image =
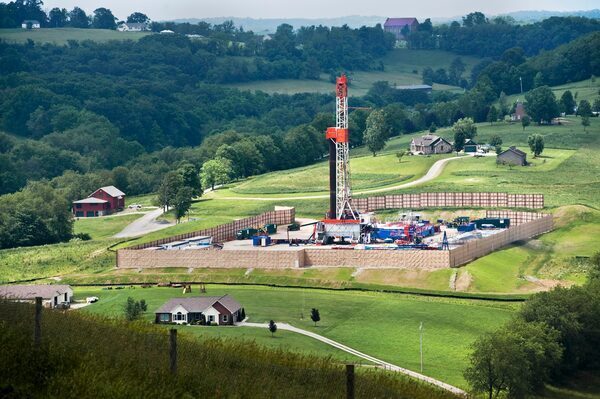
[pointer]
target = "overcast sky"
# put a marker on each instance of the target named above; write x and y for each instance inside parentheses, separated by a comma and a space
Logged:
(172, 9)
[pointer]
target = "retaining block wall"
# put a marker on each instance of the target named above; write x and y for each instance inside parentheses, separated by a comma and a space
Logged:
(227, 231)
(478, 248)
(452, 200)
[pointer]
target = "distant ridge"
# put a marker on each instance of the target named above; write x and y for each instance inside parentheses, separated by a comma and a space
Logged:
(269, 25)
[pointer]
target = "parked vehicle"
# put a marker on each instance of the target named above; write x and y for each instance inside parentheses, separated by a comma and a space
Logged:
(91, 299)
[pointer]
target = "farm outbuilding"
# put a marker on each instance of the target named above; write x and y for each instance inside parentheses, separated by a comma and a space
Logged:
(397, 25)
(101, 202)
(512, 156)
(471, 146)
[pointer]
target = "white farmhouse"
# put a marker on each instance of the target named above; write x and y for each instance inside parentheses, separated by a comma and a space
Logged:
(31, 24)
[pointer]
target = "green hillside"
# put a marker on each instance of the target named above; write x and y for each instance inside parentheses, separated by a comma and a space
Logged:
(63, 35)
(130, 360)
(450, 325)
(399, 68)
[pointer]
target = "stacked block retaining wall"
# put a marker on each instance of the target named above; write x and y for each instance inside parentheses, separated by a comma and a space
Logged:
(449, 200)
(303, 257)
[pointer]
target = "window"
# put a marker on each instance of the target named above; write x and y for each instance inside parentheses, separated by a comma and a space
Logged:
(179, 316)
(225, 318)
(78, 206)
(211, 319)
(66, 297)
(164, 317)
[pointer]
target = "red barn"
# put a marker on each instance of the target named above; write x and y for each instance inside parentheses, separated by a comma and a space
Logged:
(103, 201)
(396, 25)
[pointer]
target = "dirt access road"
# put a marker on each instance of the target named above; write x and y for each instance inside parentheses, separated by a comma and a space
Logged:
(144, 225)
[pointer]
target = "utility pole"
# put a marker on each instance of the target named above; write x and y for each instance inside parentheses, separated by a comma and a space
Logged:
(421, 343)
(521, 81)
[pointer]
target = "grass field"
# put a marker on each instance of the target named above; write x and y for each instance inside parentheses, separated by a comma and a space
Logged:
(63, 35)
(71, 257)
(368, 172)
(104, 227)
(584, 90)
(399, 67)
(382, 325)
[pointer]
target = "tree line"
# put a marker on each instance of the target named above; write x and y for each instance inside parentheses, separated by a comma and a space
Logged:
(480, 36)
(554, 335)
(12, 14)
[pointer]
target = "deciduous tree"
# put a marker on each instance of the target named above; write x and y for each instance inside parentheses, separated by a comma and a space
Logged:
(536, 144)
(216, 171)
(376, 132)
(138, 17)
(541, 105)
(104, 19)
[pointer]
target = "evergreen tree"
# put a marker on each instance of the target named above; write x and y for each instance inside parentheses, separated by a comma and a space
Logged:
(315, 316)
(492, 115)
(272, 327)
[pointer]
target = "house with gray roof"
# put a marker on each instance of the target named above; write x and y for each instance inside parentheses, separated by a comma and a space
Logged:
(512, 156)
(220, 310)
(52, 295)
(430, 144)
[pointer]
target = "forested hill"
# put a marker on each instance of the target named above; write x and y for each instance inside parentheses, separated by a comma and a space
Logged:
(483, 37)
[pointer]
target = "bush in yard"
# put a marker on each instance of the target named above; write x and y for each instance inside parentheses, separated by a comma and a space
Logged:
(272, 327)
(134, 309)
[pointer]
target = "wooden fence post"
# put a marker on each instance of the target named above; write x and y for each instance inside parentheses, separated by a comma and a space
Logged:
(349, 381)
(37, 328)
(173, 350)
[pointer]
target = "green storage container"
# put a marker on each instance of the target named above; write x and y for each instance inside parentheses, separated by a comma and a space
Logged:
(271, 228)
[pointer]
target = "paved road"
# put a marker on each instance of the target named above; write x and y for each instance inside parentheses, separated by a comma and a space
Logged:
(433, 172)
(144, 225)
(381, 363)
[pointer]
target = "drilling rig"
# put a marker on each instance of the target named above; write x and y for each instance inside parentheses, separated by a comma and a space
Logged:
(342, 222)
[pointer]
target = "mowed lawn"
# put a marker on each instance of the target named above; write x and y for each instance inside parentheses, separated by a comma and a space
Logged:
(367, 172)
(382, 325)
(401, 67)
(63, 35)
(105, 226)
